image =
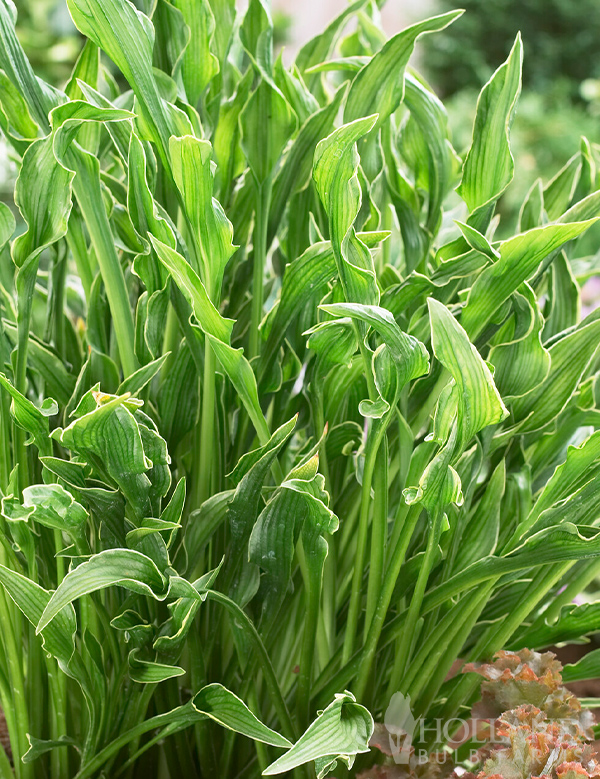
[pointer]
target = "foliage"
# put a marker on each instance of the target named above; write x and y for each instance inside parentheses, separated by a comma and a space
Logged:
(278, 436)
(547, 130)
(559, 37)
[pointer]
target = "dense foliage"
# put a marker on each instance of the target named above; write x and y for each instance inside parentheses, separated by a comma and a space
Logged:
(559, 37)
(280, 434)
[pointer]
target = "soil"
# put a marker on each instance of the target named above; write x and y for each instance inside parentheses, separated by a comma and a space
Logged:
(4, 733)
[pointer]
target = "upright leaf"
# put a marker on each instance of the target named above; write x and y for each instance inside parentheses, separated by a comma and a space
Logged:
(489, 165)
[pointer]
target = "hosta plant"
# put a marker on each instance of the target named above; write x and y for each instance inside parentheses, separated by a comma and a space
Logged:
(285, 427)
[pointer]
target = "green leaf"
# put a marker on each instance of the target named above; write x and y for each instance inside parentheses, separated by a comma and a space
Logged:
(520, 258)
(304, 278)
(569, 358)
(575, 469)
(231, 712)
(66, 122)
(193, 171)
(479, 403)
(31, 418)
(59, 383)
(267, 123)
(551, 545)
(250, 473)
(564, 303)
(298, 506)
(489, 166)
(439, 485)
(573, 623)
(335, 175)
(530, 215)
(7, 224)
(112, 567)
(477, 241)
(40, 97)
(521, 362)
(109, 438)
(174, 631)
(197, 63)
(59, 637)
(294, 173)
(149, 671)
(430, 115)
(15, 119)
(143, 376)
(256, 36)
(379, 86)
(334, 341)
(127, 36)
(560, 190)
(480, 534)
(318, 48)
(39, 747)
(409, 354)
(43, 194)
(54, 507)
(340, 732)
(586, 668)
(218, 330)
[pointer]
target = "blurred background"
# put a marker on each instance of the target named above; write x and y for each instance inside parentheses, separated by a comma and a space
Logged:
(560, 102)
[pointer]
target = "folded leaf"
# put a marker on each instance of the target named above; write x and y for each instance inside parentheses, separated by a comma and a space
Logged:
(340, 732)
(379, 86)
(489, 165)
(112, 567)
(479, 402)
(520, 258)
(228, 710)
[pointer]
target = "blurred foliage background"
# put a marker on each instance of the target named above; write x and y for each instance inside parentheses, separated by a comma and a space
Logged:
(560, 39)
(560, 101)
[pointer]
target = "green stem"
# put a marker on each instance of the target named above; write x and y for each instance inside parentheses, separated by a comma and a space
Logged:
(387, 592)
(13, 655)
(89, 196)
(57, 683)
(404, 646)
(25, 283)
(497, 636)
(313, 597)
(206, 444)
(585, 576)
(79, 250)
(378, 534)
(263, 203)
(160, 736)
(246, 624)
(373, 442)
(5, 437)
(160, 721)
(9, 715)
(204, 744)
(447, 645)
(6, 771)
